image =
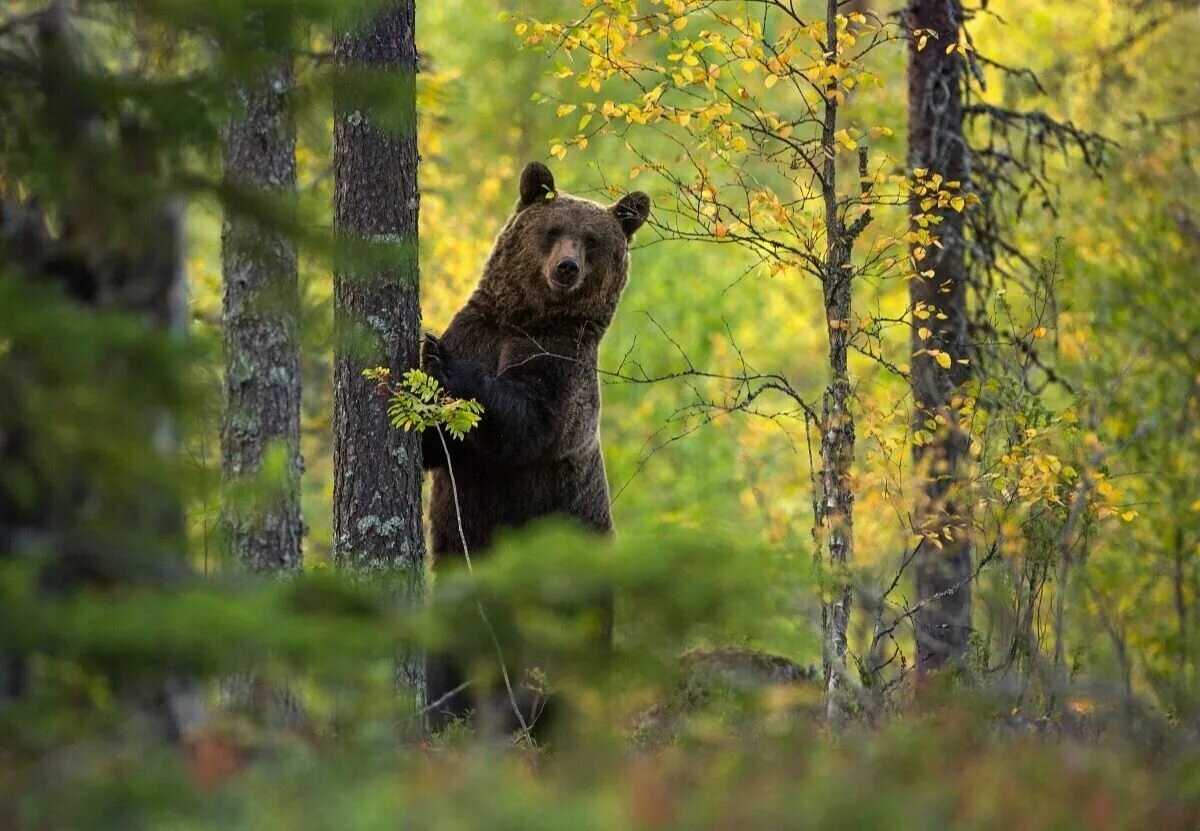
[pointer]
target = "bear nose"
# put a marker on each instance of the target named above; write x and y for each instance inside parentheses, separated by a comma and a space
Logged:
(567, 271)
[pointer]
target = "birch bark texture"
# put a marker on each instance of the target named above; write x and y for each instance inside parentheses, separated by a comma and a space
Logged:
(377, 469)
(936, 142)
(260, 428)
(836, 501)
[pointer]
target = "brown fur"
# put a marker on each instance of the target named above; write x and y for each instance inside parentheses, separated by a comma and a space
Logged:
(525, 346)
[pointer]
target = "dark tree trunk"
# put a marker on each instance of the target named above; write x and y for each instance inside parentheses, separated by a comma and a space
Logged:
(157, 288)
(261, 508)
(937, 143)
(377, 524)
(94, 524)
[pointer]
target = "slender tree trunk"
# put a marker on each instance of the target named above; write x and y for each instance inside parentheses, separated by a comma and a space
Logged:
(837, 420)
(937, 143)
(157, 288)
(378, 476)
(1183, 696)
(260, 431)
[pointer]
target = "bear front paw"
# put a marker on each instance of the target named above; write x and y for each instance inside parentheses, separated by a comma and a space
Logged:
(431, 355)
(439, 364)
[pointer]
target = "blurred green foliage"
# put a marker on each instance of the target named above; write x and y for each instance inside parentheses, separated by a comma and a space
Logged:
(713, 554)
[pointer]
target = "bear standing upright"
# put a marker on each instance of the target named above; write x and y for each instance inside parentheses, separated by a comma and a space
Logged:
(525, 346)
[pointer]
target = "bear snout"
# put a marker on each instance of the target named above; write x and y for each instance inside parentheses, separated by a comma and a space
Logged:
(566, 272)
(564, 263)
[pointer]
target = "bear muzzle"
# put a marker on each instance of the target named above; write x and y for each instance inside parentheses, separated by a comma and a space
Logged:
(566, 273)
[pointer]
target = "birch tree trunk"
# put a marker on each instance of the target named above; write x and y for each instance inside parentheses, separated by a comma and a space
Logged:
(260, 430)
(936, 143)
(377, 469)
(837, 421)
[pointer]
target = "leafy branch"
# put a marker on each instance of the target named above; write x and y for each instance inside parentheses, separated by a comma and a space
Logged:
(418, 402)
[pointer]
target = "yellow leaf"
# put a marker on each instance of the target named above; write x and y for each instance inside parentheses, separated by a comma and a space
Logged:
(958, 203)
(771, 81)
(943, 359)
(1129, 516)
(559, 151)
(923, 333)
(1039, 332)
(564, 109)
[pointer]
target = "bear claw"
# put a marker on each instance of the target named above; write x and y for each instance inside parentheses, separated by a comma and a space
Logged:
(431, 355)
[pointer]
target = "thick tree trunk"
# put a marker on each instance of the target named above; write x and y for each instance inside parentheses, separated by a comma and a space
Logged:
(260, 432)
(937, 143)
(377, 469)
(92, 524)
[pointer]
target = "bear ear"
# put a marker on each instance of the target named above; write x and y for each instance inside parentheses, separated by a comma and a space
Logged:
(537, 184)
(632, 211)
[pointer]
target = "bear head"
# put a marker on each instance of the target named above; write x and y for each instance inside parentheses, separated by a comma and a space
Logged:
(560, 256)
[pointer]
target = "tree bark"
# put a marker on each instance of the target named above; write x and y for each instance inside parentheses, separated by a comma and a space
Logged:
(836, 513)
(260, 431)
(377, 469)
(937, 143)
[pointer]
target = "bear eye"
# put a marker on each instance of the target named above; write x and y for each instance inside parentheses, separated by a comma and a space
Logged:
(590, 241)
(553, 234)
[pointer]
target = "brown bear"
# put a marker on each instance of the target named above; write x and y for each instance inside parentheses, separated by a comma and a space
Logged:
(525, 347)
